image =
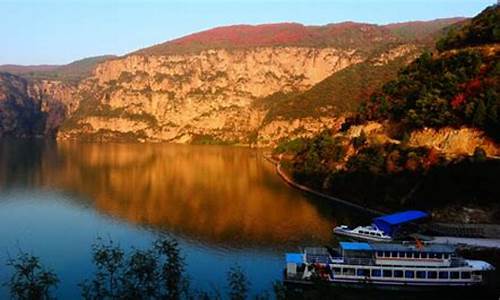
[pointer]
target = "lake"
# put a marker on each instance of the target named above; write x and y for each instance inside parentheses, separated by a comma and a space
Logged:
(225, 205)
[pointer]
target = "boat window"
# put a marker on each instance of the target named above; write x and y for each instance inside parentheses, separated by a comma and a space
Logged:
(363, 272)
(439, 255)
(446, 256)
(454, 275)
(398, 273)
(371, 233)
(394, 254)
(380, 253)
(401, 254)
(387, 254)
(336, 271)
(376, 273)
(421, 274)
(443, 275)
(432, 274)
(387, 273)
(423, 255)
(465, 275)
(378, 234)
(417, 255)
(348, 271)
(409, 274)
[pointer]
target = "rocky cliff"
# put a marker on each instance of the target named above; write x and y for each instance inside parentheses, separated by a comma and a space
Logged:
(208, 96)
(237, 85)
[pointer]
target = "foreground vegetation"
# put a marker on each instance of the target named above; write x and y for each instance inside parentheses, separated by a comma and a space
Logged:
(154, 273)
(158, 272)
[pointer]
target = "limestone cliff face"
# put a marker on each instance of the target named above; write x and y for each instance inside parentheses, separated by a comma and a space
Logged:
(205, 97)
(461, 141)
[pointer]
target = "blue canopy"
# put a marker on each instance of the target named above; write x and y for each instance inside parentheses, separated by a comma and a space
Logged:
(355, 246)
(295, 258)
(389, 223)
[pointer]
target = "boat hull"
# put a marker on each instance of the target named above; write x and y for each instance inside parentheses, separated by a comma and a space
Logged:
(386, 285)
(359, 236)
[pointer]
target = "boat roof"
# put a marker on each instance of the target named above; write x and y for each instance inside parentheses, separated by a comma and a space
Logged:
(355, 246)
(295, 258)
(401, 217)
(430, 248)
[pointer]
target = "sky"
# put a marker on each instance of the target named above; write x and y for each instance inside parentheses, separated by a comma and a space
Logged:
(61, 31)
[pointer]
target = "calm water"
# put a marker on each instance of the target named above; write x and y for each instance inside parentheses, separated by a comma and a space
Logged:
(225, 205)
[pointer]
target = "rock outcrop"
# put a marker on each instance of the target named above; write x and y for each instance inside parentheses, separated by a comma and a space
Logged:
(206, 97)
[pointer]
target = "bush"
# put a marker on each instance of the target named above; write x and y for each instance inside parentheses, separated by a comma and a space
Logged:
(30, 279)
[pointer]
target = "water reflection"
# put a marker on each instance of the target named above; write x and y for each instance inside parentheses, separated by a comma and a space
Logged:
(213, 194)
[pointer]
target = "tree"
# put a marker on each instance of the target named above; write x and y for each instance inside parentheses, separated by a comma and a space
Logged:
(154, 273)
(360, 140)
(479, 154)
(479, 118)
(238, 284)
(30, 279)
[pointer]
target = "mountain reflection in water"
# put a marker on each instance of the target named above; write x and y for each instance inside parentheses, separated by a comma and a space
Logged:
(222, 195)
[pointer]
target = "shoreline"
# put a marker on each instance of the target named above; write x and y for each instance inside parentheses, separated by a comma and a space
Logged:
(301, 187)
(468, 242)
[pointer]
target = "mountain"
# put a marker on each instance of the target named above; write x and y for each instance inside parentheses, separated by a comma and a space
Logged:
(227, 85)
(243, 84)
(72, 72)
(20, 114)
(427, 139)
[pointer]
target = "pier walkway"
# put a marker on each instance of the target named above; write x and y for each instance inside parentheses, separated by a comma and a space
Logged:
(467, 242)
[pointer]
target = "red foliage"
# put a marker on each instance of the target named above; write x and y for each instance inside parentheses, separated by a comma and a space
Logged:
(248, 35)
(432, 158)
(458, 100)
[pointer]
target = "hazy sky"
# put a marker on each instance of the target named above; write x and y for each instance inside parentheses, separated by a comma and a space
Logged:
(60, 31)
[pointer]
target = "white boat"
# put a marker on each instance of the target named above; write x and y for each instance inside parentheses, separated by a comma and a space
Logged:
(387, 266)
(370, 233)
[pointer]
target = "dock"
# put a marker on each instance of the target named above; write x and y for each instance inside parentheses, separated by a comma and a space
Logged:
(466, 242)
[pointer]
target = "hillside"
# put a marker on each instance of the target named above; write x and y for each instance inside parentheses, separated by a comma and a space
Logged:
(20, 114)
(342, 91)
(346, 35)
(228, 85)
(72, 72)
(424, 139)
(242, 84)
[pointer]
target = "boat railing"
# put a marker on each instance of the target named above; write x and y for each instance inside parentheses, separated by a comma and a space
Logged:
(457, 262)
(359, 261)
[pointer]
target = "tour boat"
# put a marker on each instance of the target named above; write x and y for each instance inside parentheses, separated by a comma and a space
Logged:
(383, 228)
(386, 266)
(371, 233)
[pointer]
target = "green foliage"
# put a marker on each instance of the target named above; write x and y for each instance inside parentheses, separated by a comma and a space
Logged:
(91, 107)
(207, 139)
(482, 29)
(70, 73)
(290, 146)
(30, 280)
(341, 92)
(155, 273)
(452, 90)
(318, 156)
